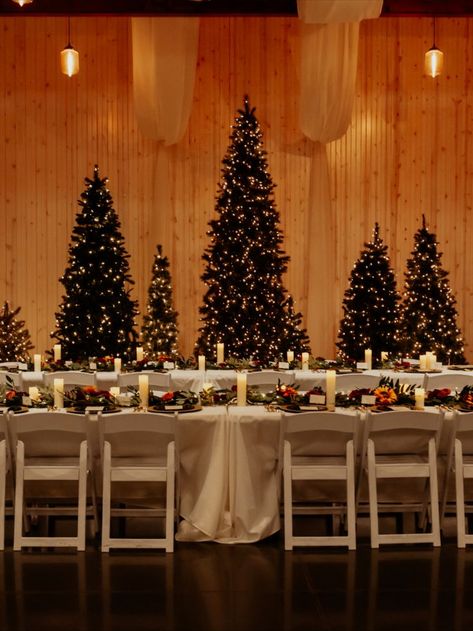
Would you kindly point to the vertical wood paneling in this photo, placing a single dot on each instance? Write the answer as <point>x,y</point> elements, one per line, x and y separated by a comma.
<point>408,151</point>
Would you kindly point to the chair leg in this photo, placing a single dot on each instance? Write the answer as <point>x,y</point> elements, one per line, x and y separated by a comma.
<point>288,545</point>
<point>20,474</point>
<point>373,494</point>
<point>106,497</point>
<point>434,493</point>
<point>170,497</point>
<point>82,500</point>
<point>460,495</point>
<point>3,473</point>
<point>351,513</point>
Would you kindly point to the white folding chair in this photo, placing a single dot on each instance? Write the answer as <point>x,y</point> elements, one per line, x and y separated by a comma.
<point>72,378</point>
<point>159,380</point>
<point>50,446</point>
<point>138,448</point>
<point>5,469</point>
<point>403,445</point>
<point>353,381</point>
<point>448,380</point>
<point>320,446</point>
<point>463,466</point>
<point>268,379</point>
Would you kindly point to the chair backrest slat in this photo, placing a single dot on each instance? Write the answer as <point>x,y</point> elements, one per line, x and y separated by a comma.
<point>406,432</point>
<point>320,433</point>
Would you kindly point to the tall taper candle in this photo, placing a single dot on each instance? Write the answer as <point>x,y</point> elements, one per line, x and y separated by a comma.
<point>139,353</point>
<point>37,363</point>
<point>117,364</point>
<point>290,356</point>
<point>201,362</point>
<point>330,377</point>
<point>58,393</point>
<point>368,358</point>
<point>143,388</point>
<point>57,352</point>
<point>220,353</point>
<point>241,388</point>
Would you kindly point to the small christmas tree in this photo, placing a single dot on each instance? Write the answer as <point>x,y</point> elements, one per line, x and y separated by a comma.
<point>15,340</point>
<point>97,315</point>
<point>429,313</point>
<point>370,306</point>
<point>246,305</point>
<point>159,331</point>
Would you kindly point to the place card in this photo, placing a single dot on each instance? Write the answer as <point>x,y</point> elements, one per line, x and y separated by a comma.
<point>68,362</point>
<point>173,407</point>
<point>368,399</point>
<point>94,408</point>
<point>362,365</point>
<point>169,365</point>
<point>26,401</point>
<point>92,366</point>
<point>283,365</point>
<point>22,366</point>
<point>318,399</point>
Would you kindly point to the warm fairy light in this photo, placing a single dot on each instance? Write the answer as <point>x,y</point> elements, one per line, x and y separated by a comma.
<point>69,61</point>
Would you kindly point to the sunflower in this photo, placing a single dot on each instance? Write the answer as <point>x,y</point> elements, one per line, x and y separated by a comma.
<point>385,395</point>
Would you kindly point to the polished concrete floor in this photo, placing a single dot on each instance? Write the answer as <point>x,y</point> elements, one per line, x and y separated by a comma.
<point>213,587</point>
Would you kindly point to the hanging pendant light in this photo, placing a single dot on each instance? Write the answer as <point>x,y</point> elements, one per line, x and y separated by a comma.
<point>69,56</point>
<point>22,2</point>
<point>433,63</point>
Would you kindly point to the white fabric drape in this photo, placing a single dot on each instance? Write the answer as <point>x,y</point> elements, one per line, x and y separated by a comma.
<point>329,57</point>
<point>330,11</point>
<point>164,68</point>
<point>164,65</point>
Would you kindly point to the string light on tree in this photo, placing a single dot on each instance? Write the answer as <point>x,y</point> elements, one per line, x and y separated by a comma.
<point>429,313</point>
<point>97,315</point>
<point>246,305</point>
<point>160,331</point>
<point>371,317</point>
<point>15,340</point>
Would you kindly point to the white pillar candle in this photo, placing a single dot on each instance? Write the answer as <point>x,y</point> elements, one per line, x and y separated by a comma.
<point>37,363</point>
<point>117,364</point>
<point>419,394</point>
<point>428,360</point>
<point>384,356</point>
<point>143,388</point>
<point>58,393</point>
<point>330,377</point>
<point>220,353</point>
<point>305,361</point>
<point>33,391</point>
<point>422,362</point>
<point>139,353</point>
<point>433,359</point>
<point>57,352</point>
<point>115,391</point>
<point>241,388</point>
<point>201,362</point>
<point>369,358</point>
<point>290,356</point>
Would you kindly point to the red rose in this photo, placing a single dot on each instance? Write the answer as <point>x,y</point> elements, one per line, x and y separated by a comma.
<point>10,394</point>
<point>167,396</point>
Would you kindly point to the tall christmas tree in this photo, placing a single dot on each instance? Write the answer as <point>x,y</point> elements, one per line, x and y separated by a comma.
<point>97,315</point>
<point>159,332</point>
<point>246,305</point>
<point>429,313</point>
<point>15,340</point>
<point>371,305</point>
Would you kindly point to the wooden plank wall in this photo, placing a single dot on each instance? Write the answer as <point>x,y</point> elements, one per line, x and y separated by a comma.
<point>406,152</point>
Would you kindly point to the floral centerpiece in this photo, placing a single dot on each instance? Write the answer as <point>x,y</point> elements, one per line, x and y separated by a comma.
<point>179,398</point>
<point>443,396</point>
<point>88,396</point>
<point>465,398</point>
<point>212,396</point>
<point>52,365</point>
